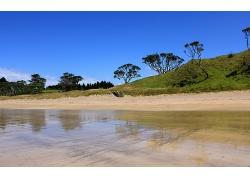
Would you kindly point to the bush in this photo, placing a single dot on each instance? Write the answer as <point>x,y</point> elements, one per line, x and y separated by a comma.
<point>230,55</point>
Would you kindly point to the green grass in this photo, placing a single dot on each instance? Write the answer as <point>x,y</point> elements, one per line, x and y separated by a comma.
<point>225,74</point>
<point>51,91</point>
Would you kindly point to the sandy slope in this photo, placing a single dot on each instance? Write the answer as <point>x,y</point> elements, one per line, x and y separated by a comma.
<point>225,101</point>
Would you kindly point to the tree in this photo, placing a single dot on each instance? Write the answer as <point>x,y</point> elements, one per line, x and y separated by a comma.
<point>3,79</point>
<point>36,79</point>
<point>127,72</point>
<point>247,34</point>
<point>195,48</point>
<point>69,81</point>
<point>162,63</point>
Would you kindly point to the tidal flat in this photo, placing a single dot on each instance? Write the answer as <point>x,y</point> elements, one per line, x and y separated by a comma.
<point>120,138</point>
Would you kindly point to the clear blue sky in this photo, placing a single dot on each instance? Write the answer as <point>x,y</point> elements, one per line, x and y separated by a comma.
<point>94,44</point>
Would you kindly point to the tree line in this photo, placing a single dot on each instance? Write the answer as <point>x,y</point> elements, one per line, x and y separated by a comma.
<point>96,85</point>
<point>165,62</point>
<point>67,82</point>
<point>35,86</point>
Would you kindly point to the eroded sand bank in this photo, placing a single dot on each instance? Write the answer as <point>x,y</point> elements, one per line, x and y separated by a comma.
<point>220,101</point>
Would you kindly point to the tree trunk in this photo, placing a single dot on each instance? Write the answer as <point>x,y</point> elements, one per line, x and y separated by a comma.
<point>204,71</point>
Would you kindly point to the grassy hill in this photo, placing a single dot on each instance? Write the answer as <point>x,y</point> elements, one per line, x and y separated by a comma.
<point>225,74</point>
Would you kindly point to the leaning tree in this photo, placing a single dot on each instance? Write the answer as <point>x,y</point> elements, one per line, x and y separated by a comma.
<point>162,63</point>
<point>194,50</point>
<point>246,31</point>
<point>127,72</point>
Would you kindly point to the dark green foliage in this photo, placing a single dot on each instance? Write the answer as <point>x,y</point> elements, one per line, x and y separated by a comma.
<point>36,79</point>
<point>127,72</point>
<point>17,88</point>
<point>162,63</point>
<point>97,85</point>
<point>21,87</point>
<point>54,87</point>
<point>246,31</point>
<point>230,55</point>
<point>70,82</point>
<point>3,80</point>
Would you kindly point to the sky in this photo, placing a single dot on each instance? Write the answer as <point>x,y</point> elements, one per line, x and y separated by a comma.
<point>93,44</point>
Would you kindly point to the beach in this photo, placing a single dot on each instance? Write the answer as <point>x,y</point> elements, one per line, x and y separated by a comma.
<point>200,130</point>
<point>214,101</point>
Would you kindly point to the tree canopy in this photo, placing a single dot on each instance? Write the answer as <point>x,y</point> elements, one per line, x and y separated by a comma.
<point>97,85</point>
<point>3,79</point>
<point>127,72</point>
<point>162,63</point>
<point>69,81</point>
<point>37,79</point>
<point>246,31</point>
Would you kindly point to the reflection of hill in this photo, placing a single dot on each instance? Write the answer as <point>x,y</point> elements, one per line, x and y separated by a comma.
<point>173,127</point>
<point>36,118</point>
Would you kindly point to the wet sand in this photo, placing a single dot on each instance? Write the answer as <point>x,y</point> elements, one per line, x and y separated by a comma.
<point>220,101</point>
<point>55,138</point>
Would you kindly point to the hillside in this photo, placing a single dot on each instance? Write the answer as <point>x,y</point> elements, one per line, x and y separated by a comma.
<point>225,74</point>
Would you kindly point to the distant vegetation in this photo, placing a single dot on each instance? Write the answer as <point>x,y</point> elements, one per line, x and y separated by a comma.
<point>68,82</point>
<point>35,86</point>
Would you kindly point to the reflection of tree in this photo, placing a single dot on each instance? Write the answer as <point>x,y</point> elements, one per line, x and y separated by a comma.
<point>3,119</point>
<point>36,118</point>
<point>128,130</point>
<point>70,120</point>
<point>161,138</point>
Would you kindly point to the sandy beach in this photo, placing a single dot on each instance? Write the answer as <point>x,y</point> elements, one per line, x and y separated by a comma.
<point>192,138</point>
<point>219,101</point>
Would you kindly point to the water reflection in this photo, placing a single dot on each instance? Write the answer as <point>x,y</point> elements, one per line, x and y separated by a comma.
<point>70,120</point>
<point>35,118</point>
<point>124,138</point>
<point>172,126</point>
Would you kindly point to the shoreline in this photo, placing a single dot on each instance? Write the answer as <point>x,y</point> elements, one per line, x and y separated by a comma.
<point>214,101</point>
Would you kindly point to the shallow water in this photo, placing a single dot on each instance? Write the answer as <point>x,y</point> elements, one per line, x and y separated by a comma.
<point>123,138</point>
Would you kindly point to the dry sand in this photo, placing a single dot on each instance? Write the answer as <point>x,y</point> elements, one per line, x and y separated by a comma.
<point>220,101</point>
